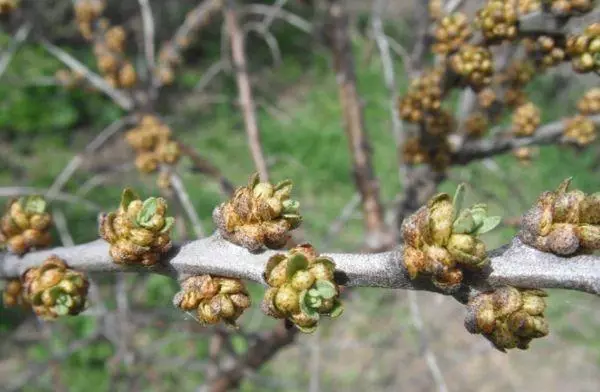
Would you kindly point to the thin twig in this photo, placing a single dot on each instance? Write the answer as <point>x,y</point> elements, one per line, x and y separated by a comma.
<point>61,226</point>
<point>14,191</point>
<point>245,89</point>
<point>20,36</point>
<point>65,175</point>
<point>426,351</point>
<point>120,98</point>
<point>379,7</point>
<point>148,27</point>
<point>291,18</point>
<point>187,205</point>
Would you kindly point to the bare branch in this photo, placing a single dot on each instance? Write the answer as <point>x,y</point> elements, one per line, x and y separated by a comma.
<point>20,36</point>
<point>204,166</point>
<point>187,205</point>
<point>479,149</point>
<point>119,97</point>
<point>245,89</point>
<point>289,17</point>
<point>379,7</point>
<point>365,179</point>
<point>14,191</point>
<point>77,160</point>
<point>148,26</point>
<point>514,264</point>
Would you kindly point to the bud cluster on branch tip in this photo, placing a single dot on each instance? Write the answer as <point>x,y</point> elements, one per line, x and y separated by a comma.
<point>25,225</point>
<point>568,7</point>
<point>528,6</point>
<point>138,232</point>
<point>579,130</point>
<point>451,32</point>
<point>439,124</point>
<point>435,152</point>
<point>424,96</point>
<point>508,317</point>
<point>525,120</point>
<point>590,102</point>
<point>259,214</point>
<point>13,294</point>
<point>474,65</point>
<point>214,298</point>
<point>497,21</point>
<point>53,289</point>
<point>441,238</point>
<point>523,154</point>
<point>153,144</point>
<point>109,50</point>
<point>8,6</point>
<point>563,222</point>
<point>301,287</point>
<point>476,125</point>
<point>487,97</point>
<point>584,49</point>
<point>86,13</point>
<point>545,51</point>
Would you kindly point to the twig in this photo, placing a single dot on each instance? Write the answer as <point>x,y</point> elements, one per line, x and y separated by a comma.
<point>187,205</point>
<point>269,38</point>
<point>244,89</point>
<point>422,41</point>
<point>383,45</point>
<point>514,264</point>
<point>291,18</point>
<point>452,5</point>
<point>119,97</point>
<point>209,75</point>
<point>20,36</point>
<point>353,117</point>
<point>430,358</point>
<point>148,26</point>
<point>68,171</point>
<point>204,166</point>
<point>480,149</point>
<point>61,226</point>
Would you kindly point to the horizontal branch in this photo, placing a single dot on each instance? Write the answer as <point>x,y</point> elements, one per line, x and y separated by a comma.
<point>514,264</point>
<point>485,148</point>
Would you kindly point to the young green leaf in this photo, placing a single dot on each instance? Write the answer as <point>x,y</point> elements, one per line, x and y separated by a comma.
<point>147,212</point>
<point>489,224</point>
<point>337,309</point>
<point>458,199</point>
<point>306,307</point>
<point>326,289</point>
<point>33,204</point>
<point>169,221</point>
<point>464,223</point>
<point>296,263</point>
<point>127,197</point>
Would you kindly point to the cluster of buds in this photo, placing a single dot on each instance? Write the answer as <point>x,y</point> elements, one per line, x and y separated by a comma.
<point>590,102</point>
<point>497,21</point>
<point>214,298</point>
<point>568,7</point>
<point>474,65</point>
<point>86,14</point>
<point>8,6</point>
<point>25,225</point>
<point>434,152</point>
<point>53,289</point>
<point>439,124</point>
<point>525,120</point>
<point>487,97</point>
<point>13,294</point>
<point>545,51</point>
<point>117,71</point>
<point>584,49</point>
<point>451,33</point>
<point>168,60</point>
<point>441,238</point>
<point>138,232</point>
<point>563,222</point>
<point>476,125</point>
<point>424,96</point>
<point>518,74</point>
<point>523,154</point>
<point>259,214</point>
<point>579,130</point>
<point>528,6</point>
<point>508,317</point>
<point>302,287</point>
<point>152,142</point>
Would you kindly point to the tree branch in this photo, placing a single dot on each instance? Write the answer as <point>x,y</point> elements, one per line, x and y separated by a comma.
<point>245,89</point>
<point>354,124</point>
<point>479,149</point>
<point>514,264</point>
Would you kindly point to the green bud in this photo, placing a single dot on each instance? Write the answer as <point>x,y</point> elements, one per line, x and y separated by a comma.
<point>287,300</point>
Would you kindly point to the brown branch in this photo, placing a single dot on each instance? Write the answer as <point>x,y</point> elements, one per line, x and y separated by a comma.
<point>364,176</point>
<point>204,166</point>
<point>262,350</point>
<point>245,89</point>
